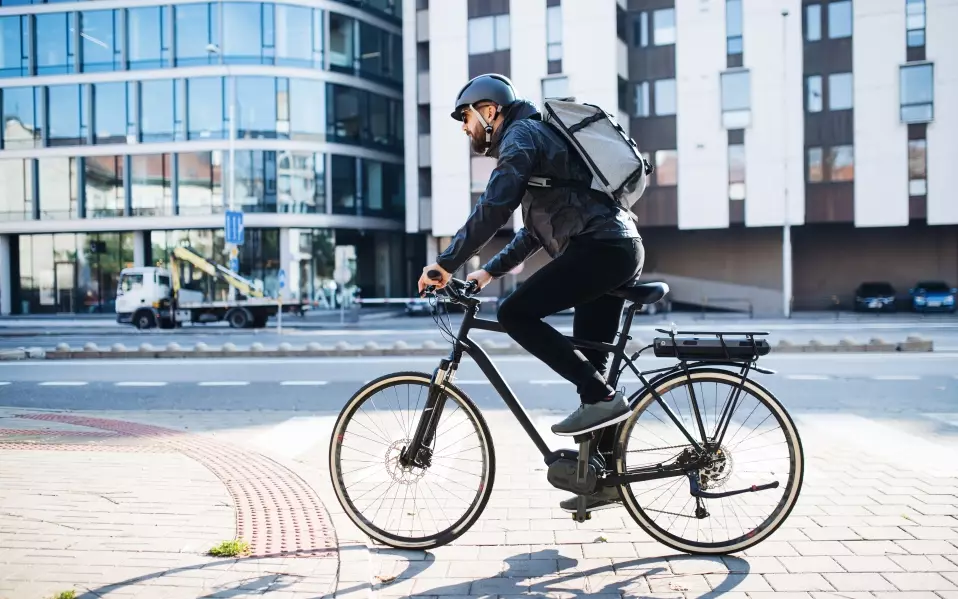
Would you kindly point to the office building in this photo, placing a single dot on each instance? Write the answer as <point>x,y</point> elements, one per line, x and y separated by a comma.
<point>835,121</point>
<point>116,145</point>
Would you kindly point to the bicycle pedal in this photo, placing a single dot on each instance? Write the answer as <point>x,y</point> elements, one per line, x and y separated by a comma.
<point>575,517</point>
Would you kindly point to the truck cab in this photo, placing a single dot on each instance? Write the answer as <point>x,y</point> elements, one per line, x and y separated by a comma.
<point>139,293</point>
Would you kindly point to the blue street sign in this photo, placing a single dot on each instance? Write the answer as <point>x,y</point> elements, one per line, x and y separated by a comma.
<point>282,278</point>
<point>234,264</point>
<point>234,227</point>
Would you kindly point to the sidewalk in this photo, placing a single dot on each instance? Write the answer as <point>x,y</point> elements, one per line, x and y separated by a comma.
<point>114,505</point>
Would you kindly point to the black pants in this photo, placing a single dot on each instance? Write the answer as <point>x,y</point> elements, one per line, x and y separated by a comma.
<point>580,279</point>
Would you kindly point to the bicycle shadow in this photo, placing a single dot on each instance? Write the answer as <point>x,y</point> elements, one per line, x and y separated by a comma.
<point>546,572</point>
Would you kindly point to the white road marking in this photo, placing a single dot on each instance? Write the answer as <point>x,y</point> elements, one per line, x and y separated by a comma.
<point>550,382</point>
<point>303,383</point>
<point>4,383</point>
<point>471,382</point>
<point>63,383</point>
<point>896,377</point>
<point>223,383</point>
<point>140,384</point>
<point>807,377</point>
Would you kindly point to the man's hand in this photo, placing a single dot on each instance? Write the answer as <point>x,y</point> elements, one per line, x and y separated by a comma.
<point>480,276</point>
<point>425,281</point>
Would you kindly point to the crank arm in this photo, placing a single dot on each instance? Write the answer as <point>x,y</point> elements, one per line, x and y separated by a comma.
<point>697,491</point>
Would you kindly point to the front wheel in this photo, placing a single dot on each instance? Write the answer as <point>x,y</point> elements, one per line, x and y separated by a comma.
<point>760,446</point>
<point>410,507</point>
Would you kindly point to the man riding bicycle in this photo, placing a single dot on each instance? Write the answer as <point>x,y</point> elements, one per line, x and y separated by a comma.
<point>594,245</point>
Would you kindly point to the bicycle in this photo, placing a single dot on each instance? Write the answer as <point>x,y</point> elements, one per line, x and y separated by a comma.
<point>702,455</point>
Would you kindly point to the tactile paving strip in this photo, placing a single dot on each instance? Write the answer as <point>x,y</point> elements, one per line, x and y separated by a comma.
<point>27,445</point>
<point>277,513</point>
<point>53,432</point>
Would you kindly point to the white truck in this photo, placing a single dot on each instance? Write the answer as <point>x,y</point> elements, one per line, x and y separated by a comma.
<point>149,296</point>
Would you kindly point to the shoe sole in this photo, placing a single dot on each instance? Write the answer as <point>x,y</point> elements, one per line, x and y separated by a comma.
<point>608,506</point>
<point>596,427</point>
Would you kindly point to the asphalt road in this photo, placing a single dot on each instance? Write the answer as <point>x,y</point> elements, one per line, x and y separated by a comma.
<point>943,329</point>
<point>871,385</point>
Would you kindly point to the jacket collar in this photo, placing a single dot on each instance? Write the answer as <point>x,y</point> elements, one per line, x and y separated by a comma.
<point>518,110</point>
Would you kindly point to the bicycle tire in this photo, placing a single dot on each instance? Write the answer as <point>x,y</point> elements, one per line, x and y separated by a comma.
<point>793,486</point>
<point>460,526</point>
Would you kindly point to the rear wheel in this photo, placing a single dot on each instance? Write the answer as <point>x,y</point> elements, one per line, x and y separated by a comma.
<point>239,318</point>
<point>760,446</point>
<point>410,507</point>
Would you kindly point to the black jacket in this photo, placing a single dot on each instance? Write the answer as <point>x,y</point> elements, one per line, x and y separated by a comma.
<point>551,217</point>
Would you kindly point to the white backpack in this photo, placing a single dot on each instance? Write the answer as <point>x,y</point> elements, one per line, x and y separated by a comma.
<point>618,169</point>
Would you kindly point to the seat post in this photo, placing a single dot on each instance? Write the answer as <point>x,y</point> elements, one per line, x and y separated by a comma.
<point>624,338</point>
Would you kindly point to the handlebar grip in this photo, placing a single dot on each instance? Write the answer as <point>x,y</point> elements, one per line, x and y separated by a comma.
<point>435,275</point>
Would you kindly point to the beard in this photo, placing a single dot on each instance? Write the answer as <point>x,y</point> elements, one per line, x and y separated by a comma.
<point>478,142</point>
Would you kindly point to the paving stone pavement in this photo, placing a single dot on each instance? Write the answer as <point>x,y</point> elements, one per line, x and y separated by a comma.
<point>870,524</point>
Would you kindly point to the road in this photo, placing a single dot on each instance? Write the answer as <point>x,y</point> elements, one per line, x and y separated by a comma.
<point>871,385</point>
<point>385,329</point>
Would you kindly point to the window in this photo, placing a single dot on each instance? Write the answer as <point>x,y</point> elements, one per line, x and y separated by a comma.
<point>489,34</point>
<point>146,31</point>
<point>813,22</point>
<point>815,174</point>
<point>813,93</point>
<point>129,282</point>
<point>255,180</point>
<point>103,186</point>
<point>736,113</point>
<point>199,176</point>
<point>917,165</point>
<point>344,184</point>
<point>380,53</point>
<point>841,163</point>
<point>840,19</point>
<point>307,109</point>
<point>736,171</point>
<point>14,46</point>
<point>109,113</point>
<point>21,125</point>
<point>55,49</point>
<point>256,107</point>
<point>16,189</point>
<point>100,31</point>
<point>58,190</point>
<point>156,110</point>
<point>197,26</point>
<point>555,87</point>
<point>665,97</point>
<point>204,96</point>
<point>642,107</point>
<point>840,91</point>
<point>300,182</point>
<point>346,107</point>
<point>554,33</point>
<point>915,22</point>
<point>296,35</point>
<point>663,27</point>
<point>243,32</point>
<point>341,42</point>
<point>641,32</point>
<point>67,115</point>
<point>917,93</point>
<point>666,167</point>
<point>733,26</point>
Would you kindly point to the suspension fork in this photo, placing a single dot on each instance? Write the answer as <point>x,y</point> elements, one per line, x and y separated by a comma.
<point>419,452</point>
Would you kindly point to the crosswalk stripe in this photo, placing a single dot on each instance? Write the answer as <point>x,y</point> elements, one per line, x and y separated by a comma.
<point>63,383</point>
<point>895,377</point>
<point>140,384</point>
<point>807,377</point>
<point>302,383</point>
<point>223,383</point>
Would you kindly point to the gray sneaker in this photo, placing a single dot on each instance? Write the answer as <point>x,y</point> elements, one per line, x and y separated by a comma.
<point>590,417</point>
<point>606,498</point>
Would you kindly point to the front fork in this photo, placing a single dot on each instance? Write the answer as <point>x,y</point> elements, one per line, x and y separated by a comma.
<point>419,451</point>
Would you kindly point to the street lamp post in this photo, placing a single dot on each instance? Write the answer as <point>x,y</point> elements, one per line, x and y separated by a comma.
<point>787,225</point>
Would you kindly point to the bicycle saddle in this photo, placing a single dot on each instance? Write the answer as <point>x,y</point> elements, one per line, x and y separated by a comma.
<point>642,293</point>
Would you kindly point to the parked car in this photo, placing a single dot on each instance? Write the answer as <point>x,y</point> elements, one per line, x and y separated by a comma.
<point>929,296</point>
<point>875,296</point>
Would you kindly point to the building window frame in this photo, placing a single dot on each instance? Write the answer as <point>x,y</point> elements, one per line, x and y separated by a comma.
<point>735,114</point>
<point>916,109</point>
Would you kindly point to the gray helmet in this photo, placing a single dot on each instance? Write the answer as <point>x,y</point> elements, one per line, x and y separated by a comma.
<point>491,87</point>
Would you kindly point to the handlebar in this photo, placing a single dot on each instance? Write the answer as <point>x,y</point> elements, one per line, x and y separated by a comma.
<point>456,288</point>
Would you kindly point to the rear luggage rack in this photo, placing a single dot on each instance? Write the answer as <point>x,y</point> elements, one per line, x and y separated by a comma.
<point>719,348</point>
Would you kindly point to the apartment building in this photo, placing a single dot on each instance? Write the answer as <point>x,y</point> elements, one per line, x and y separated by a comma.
<point>130,126</point>
<point>801,146</point>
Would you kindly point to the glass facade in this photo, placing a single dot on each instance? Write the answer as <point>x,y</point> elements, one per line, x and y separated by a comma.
<point>117,121</point>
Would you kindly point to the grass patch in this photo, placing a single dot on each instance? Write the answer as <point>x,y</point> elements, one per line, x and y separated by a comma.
<point>66,595</point>
<point>230,549</point>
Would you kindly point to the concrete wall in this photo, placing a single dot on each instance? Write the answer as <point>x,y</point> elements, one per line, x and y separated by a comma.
<point>834,259</point>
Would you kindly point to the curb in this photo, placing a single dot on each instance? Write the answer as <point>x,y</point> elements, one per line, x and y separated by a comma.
<point>64,351</point>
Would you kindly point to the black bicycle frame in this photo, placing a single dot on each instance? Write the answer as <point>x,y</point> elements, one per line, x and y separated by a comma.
<point>432,411</point>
